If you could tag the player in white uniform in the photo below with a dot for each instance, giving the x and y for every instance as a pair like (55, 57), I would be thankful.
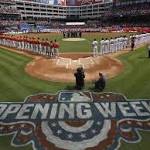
(107, 46)
(112, 43)
(137, 40)
(121, 42)
(125, 42)
(95, 48)
(115, 45)
(105, 43)
(101, 51)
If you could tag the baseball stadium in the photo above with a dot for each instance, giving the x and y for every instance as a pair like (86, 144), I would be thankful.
(74, 74)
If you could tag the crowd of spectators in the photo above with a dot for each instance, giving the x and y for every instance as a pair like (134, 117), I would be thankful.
(134, 9)
(100, 25)
(8, 10)
(6, 1)
(9, 22)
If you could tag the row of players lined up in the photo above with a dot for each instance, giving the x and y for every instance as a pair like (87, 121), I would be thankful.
(117, 44)
(72, 34)
(34, 45)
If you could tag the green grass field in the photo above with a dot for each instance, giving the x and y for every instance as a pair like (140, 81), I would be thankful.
(15, 84)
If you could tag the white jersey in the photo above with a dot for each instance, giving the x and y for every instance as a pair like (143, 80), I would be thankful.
(101, 46)
(107, 50)
(95, 44)
(112, 45)
(95, 48)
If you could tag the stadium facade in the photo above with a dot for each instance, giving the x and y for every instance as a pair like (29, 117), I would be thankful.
(104, 11)
(43, 10)
(87, 10)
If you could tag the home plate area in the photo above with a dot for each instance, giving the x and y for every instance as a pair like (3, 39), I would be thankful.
(68, 63)
(62, 69)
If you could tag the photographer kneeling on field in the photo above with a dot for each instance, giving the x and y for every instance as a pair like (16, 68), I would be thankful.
(100, 83)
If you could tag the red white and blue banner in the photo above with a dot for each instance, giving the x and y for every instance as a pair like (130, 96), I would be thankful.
(75, 120)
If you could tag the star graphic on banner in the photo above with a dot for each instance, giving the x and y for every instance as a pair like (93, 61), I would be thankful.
(63, 98)
(98, 123)
(54, 124)
(94, 131)
(59, 132)
(70, 136)
(82, 135)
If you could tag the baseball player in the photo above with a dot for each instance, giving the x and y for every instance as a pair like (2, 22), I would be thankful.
(95, 47)
(56, 48)
(101, 51)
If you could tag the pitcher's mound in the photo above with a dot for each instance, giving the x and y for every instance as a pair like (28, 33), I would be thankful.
(73, 39)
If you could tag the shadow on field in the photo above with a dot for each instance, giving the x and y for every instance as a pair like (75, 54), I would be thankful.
(70, 87)
(91, 89)
(143, 57)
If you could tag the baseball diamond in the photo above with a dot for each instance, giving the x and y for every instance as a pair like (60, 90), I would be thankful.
(74, 74)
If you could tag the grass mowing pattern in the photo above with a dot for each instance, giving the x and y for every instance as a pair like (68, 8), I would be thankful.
(15, 85)
(134, 81)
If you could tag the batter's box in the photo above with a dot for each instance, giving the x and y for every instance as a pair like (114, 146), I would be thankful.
(86, 61)
(63, 61)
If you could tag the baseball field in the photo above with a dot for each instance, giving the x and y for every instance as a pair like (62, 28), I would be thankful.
(16, 84)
